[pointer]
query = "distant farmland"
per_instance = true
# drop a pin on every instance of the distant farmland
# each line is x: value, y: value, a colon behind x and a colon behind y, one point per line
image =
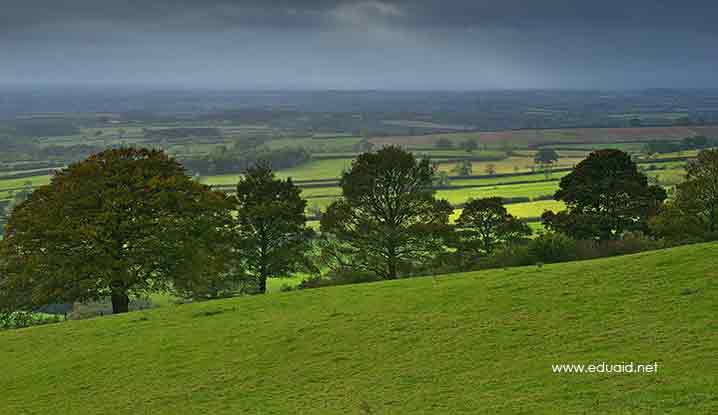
x: 535, y: 138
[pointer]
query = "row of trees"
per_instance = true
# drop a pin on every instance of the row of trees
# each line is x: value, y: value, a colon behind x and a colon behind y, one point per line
x: 688, y: 143
x: 127, y: 222
x: 469, y: 145
x: 230, y: 160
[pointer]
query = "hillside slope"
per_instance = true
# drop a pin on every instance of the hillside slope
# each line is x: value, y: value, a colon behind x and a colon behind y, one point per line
x: 472, y: 343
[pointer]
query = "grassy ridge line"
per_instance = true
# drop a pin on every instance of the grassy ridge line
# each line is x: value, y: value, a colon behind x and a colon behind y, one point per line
x: 480, y: 342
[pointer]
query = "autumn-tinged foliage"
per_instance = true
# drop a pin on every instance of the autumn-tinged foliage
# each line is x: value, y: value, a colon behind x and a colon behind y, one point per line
x: 606, y: 195
x: 388, y: 218
x: 123, y: 222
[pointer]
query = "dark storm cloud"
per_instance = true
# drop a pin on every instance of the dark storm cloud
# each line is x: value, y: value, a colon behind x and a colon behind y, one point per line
x: 688, y: 15
x: 369, y: 43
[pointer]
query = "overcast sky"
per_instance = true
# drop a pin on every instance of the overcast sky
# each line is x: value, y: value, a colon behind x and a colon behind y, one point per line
x: 320, y: 44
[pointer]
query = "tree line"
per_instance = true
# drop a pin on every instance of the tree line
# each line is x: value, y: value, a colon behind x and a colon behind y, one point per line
x: 127, y: 222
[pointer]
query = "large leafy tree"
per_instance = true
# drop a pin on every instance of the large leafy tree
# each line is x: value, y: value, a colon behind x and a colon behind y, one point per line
x: 698, y: 195
x: 546, y: 158
x: 693, y: 212
x: 273, y: 235
x: 605, y: 196
x: 388, y: 219
x: 464, y: 168
x: 485, y: 224
x: 123, y: 222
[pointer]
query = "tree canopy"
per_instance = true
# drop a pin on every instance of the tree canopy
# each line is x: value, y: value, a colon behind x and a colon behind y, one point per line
x: 271, y: 225
x: 605, y: 196
x: 546, y: 156
x: 388, y: 218
x: 485, y: 224
x: 123, y: 222
x: 469, y: 145
x: 464, y: 168
x: 693, y: 212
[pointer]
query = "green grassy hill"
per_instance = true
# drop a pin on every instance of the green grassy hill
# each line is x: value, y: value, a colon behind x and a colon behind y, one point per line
x: 480, y: 342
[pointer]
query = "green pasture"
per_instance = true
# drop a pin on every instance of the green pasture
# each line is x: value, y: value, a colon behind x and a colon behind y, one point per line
x: 479, y: 342
x: 530, y: 190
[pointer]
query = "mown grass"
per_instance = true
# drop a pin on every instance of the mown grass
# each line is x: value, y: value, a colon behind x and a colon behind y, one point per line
x: 528, y: 210
x: 480, y: 342
x: 538, y: 177
x: 534, y: 209
x: 317, y: 170
x: 510, y: 165
x: 531, y: 190
x: 34, y: 181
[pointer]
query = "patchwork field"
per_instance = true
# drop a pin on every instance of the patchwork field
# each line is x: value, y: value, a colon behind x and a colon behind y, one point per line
x: 530, y: 190
x: 566, y: 136
x: 482, y: 342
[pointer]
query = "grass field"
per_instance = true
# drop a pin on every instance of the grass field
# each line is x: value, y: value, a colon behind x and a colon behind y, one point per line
x: 317, y: 170
x: 488, y: 181
x: 20, y: 183
x: 510, y: 165
x: 530, y: 190
x: 528, y: 210
x: 534, y: 209
x: 459, y: 196
x: 481, y: 342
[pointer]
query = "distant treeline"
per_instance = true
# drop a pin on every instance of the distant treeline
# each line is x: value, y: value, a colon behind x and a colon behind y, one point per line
x: 43, y: 127
x: 234, y: 161
x: 690, y: 143
x: 174, y: 133
x: 77, y: 151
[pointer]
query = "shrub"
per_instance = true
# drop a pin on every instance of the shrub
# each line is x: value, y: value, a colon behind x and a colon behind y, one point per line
x: 444, y: 144
x: 630, y: 243
x: 511, y: 255
x: 339, y: 277
x: 552, y: 247
x: 515, y: 199
x: 542, y: 197
x: 23, y: 319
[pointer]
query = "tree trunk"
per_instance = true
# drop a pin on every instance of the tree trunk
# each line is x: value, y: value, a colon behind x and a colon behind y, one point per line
x: 262, y: 284
x: 391, y: 264
x: 120, y: 302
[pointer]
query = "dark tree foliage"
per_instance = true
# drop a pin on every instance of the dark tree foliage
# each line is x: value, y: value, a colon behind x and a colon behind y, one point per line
x: 485, y: 224
x: 464, y: 168
x: 546, y: 156
x: 123, y: 222
x: 174, y: 133
x: 232, y: 160
x: 271, y: 225
x: 606, y: 195
x: 388, y: 219
x: 444, y: 144
x: 694, y: 210
x: 699, y: 193
x: 689, y: 143
x: 469, y: 145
